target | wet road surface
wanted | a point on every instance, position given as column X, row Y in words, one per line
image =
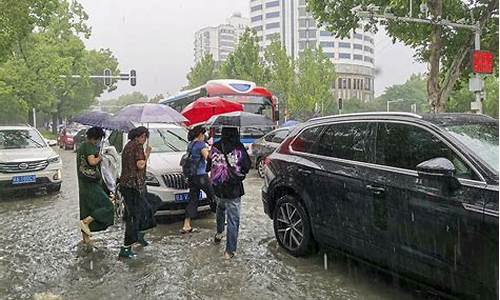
column 40, row 253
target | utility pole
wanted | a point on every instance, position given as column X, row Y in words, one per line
column 476, row 84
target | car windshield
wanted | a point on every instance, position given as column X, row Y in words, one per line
column 482, row 139
column 20, row 139
column 168, row 139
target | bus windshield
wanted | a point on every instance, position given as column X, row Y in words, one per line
column 253, row 104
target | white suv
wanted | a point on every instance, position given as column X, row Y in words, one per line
column 164, row 177
column 26, row 161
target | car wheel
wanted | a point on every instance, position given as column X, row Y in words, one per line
column 54, row 188
column 260, row 167
column 292, row 227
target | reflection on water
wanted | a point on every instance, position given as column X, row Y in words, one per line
column 40, row 256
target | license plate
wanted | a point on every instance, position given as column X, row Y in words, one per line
column 184, row 197
column 24, row 179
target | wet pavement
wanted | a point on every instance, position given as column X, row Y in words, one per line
column 40, row 254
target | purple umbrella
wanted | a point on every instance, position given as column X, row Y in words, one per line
column 93, row 118
column 143, row 113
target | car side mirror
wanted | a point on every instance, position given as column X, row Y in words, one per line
column 440, row 170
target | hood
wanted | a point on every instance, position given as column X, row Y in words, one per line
column 165, row 163
column 26, row 155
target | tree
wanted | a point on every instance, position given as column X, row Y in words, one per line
column 157, row 98
column 245, row 63
column 114, row 105
column 312, row 87
column 461, row 98
column 446, row 49
column 32, row 75
column 202, row 72
column 280, row 68
column 413, row 91
column 18, row 18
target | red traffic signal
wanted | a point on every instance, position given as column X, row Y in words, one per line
column 482, row 62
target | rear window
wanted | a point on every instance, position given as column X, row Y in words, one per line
column 306, row 140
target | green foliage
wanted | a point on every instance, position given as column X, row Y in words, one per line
column 202, row 72
column 449, row 45
column 312, row 93
column 460, row 99
column 281, row 74
column 114, row 105
column 413, row 91
column 244, row 63
column 33, row 75
column 18, row 18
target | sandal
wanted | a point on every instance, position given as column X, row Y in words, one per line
column 184, row 231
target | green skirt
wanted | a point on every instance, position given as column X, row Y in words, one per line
column 94, row 202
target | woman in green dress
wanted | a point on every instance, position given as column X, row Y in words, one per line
column 96, row 209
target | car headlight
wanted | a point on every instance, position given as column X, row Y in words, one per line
column 54, row 160
column 151, row 179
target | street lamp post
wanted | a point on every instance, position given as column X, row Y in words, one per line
column 393, row 101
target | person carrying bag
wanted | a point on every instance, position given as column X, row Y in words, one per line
column 229, row 163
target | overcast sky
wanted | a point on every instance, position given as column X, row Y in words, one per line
column 156, row 38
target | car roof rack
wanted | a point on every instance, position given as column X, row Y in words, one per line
column 364, row 114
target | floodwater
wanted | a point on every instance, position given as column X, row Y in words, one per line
column 40, row 255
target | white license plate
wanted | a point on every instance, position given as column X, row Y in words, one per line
column 24, row 179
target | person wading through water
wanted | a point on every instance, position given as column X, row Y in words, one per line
column 96, row 209
column 139, row 213
column 228, row 164
column 199, row 181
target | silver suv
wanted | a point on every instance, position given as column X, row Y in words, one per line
column 164, row 176
column 27, row 161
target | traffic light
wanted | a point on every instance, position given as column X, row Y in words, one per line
column 133, row 80
column 107, row 77
column 340, row 104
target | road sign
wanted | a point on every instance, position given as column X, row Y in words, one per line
column 133, row 76
column 482, row 62
column 107, row 77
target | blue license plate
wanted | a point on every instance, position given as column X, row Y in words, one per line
column 24, row 179
column 184, row 197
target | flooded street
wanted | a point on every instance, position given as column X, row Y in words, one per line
column 40, row 253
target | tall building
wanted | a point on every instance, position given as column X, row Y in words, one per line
column 220, row 40
column 289, row 21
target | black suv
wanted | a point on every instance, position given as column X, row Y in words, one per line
column 417, row 195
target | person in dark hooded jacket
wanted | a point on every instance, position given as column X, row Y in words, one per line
column 229, row 163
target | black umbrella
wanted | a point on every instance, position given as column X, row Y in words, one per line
column 239, row 119
column 93, row 118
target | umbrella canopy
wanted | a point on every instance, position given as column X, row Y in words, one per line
column 203, row 109
column 290, row 123
column 93, row 118
column 143, row 113
column 239, row 119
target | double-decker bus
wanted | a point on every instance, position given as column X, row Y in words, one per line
column 257, row 100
